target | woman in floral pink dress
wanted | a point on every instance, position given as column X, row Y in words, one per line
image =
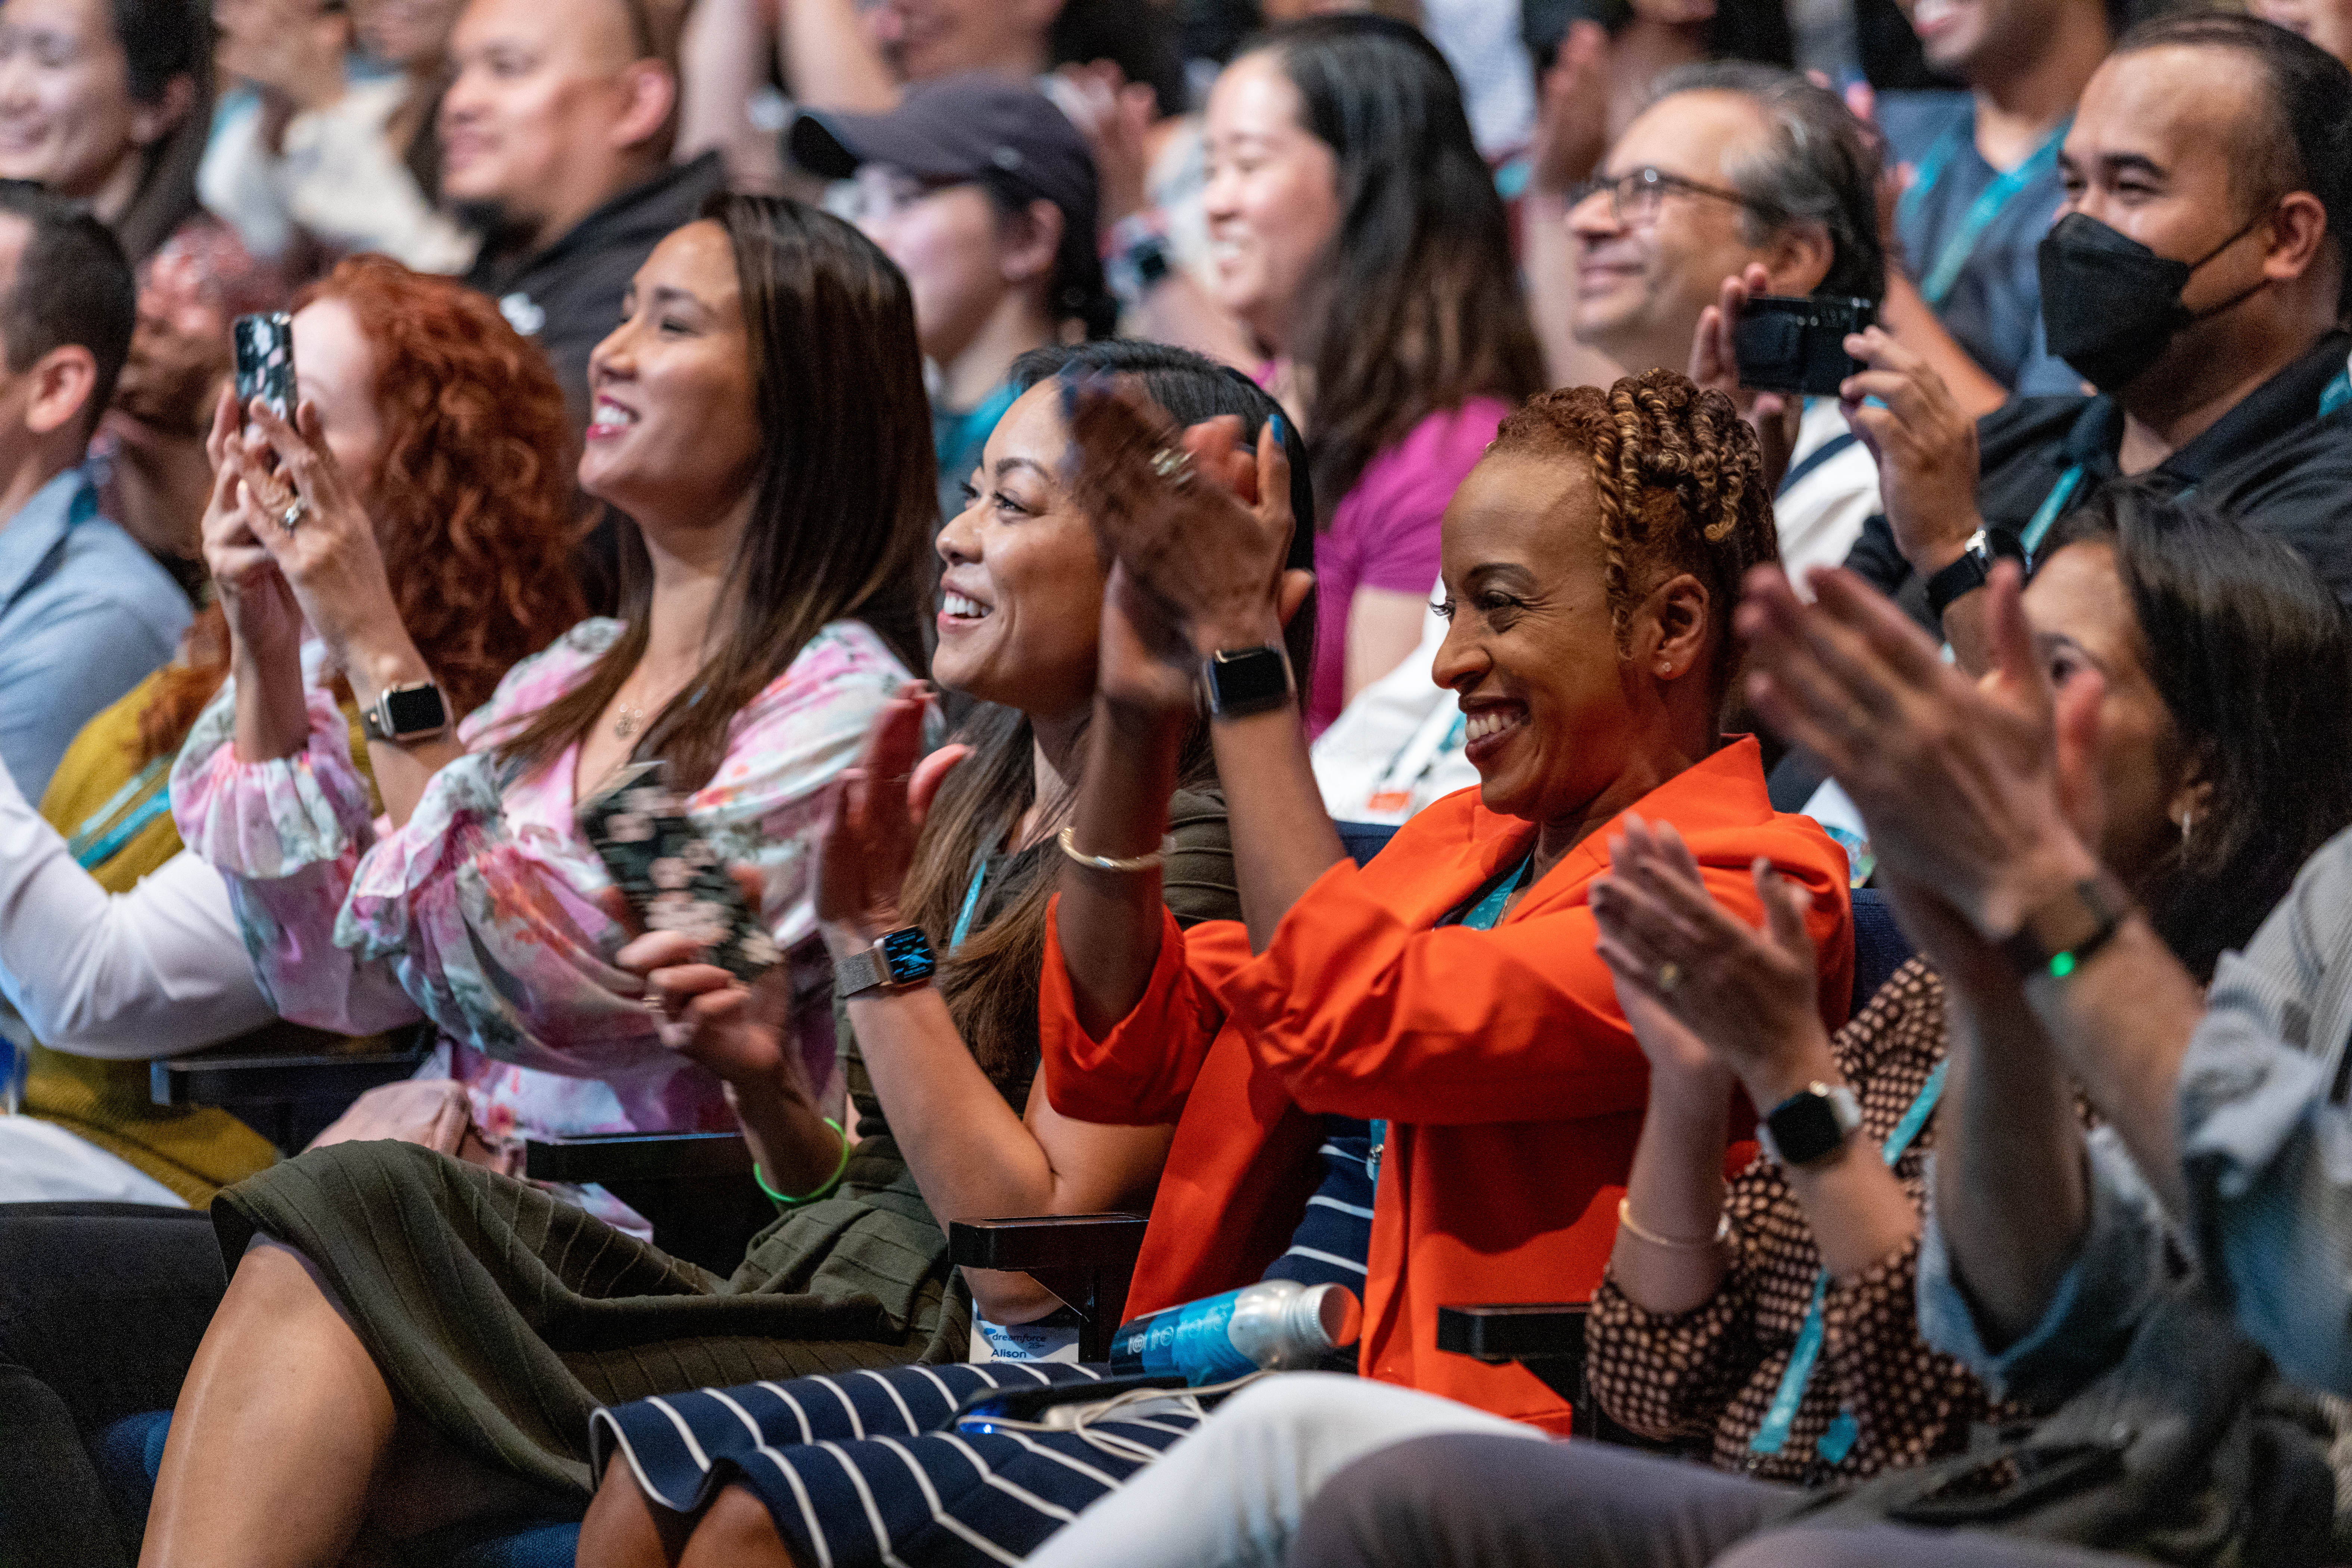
column 782, row 499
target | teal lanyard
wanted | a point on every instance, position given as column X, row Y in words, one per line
column 1483, row 916
column 93, row 843
column 971, row 894
column 1982, row 213
column 1838, row 1441
column 976, row 425
column 2332, row 397
column 2053, row 504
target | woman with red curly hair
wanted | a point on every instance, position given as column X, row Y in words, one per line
column 116, row 944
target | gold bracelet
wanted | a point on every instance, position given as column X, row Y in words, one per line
column 1675, row 1244
column 1152, row 862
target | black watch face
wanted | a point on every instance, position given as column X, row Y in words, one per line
column 1258, row 677
column 908, row 954
column 415, row 709
column 1805, row 1128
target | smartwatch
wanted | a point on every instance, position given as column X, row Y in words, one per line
column 1970, row 573
column 1240, row 681
column 899, row 961
column 2061, row 935
column 400, row 715
column 1811, row 1126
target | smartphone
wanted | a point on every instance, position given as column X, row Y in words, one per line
column 669, row 873
column 265, row 362
column 982, row 1408
column 1797, row 343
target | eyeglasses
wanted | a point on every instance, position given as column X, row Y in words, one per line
column 1633, row 198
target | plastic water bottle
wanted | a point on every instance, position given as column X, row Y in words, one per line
column 1275, row 1325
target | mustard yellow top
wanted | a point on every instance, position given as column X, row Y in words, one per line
column 113, row 810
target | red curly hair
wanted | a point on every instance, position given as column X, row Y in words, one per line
column 472, row 493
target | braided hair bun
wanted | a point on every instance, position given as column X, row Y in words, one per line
column 1680, row 477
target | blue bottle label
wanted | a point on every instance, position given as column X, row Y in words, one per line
column 1193, row 1341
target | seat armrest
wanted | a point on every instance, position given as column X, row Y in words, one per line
column 1504, row 1332
column 240, row 1079
column 1047, row 1241
column 1086, row 1260
column 637, row 1157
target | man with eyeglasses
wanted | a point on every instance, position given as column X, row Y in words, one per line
column 1737, row 179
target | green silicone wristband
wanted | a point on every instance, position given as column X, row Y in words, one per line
column 824, row 1191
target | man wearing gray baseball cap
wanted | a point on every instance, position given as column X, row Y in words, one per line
column 984, row 195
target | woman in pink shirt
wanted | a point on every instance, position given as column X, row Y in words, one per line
column 1360, row 257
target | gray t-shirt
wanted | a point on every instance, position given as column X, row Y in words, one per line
column 1992, row 306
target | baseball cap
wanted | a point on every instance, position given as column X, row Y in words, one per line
column 976, row 126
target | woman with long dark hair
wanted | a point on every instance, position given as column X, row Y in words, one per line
column 759, row 415
column 541, row 1314
column 1356, row 239
column 116, row 945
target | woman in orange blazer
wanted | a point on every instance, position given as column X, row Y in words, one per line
column 1450, row 990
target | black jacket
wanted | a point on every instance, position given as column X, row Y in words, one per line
column 2274, row 460
column 568, row 296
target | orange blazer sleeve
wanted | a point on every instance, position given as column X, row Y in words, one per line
column 1362, row 1015
column 1140, row 1073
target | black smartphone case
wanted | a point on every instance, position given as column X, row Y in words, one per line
column 671, row 874
column 1797, row 343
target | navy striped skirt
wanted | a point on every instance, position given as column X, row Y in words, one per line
column 857, row 1469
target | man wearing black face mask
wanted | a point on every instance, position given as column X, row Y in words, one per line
column 2195, row 278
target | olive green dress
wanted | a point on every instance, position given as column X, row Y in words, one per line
column 505, row 1316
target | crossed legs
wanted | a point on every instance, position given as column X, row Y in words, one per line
column 286, row 1440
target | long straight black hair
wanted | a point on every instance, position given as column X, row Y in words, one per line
column 163, row 41
column 843, row 498
column 2253, row 656
column 1419, row 305
column 991, row 982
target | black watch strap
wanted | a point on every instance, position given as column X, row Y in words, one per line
column 2060, row 936
column 1970, row 572
column 1958, row 581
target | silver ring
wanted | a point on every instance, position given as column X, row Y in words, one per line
column 291, row 518
column 1669, row 974
column 1174, row 465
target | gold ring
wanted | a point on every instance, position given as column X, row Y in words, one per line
column 1669, row 974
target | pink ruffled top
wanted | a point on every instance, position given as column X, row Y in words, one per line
column 481, row 913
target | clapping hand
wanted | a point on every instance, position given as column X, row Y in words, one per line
column 1199, row 526
column 1696, row 980
column 1972, row 789
column 878, row 813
